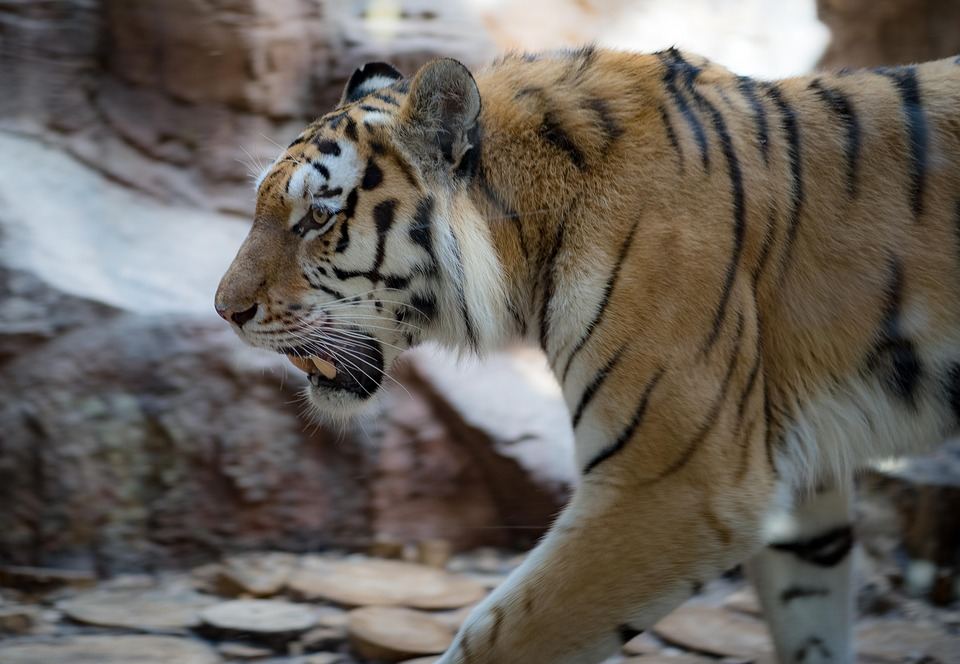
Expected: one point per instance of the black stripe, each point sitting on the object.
(462, 296)
(814, 642)
(826, 550)
(552, 130)
(383, 215)
(739, 215)
(630, 429)
(712, 416)
(799, 592)
(320, 287)
(518, 320)
(676, 68)
(421, 230)
(894, 357)
(840, 105)
(748, 88)
(508, 212)
(326, 146)
(549, 279)
(351, 130)
(297, 141)
(611, 128)
(321, 169)
(790, 125)
(385, 98)
(671, 136)
(424, 305)
(952, 387)
(905, 79)
(627, 633)
(346, 214)
(591, 389)
(769, 232)
(604, 301)
(372, 176)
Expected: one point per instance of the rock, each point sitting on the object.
(15, 620)
(890, 641)
(390, 549)
(184, 98)
(324, 658)
(322, 638)
(113, 649)
(433, 552)
(744, 601)
(913, 502)
(714, 631)
(871, 33)
(642, 644)
(244, 651)
(40, 579)
(161, 608)
(259, 619)
(660, 658)
(361, 582)
(429, 659)
(258, 575)
(395, 633)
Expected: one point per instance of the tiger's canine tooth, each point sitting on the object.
(325, 368)
(301, 363)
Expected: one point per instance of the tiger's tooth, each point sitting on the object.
(326, 369)
(301, 363)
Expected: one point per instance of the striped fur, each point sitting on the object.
(746, 288)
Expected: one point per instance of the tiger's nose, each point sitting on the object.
(238, 318)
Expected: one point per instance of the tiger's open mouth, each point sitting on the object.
(354, 365)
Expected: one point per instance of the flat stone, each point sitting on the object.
(434, 552)
(641, 644)
(259, 617)
(235, 650)
(320, 638)
(257, 575)
(429, 659)
(324, 658)
(18, 619)
(744, 601)
(137, 608)
(43, 578)
(395, 633)
(382, 583)
(903, 640)
(660, 658)
(117, 649)
(714, 631)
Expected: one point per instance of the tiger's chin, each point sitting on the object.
(343, 382)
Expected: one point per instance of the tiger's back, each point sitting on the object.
(746, 289)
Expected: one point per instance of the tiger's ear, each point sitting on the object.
(368, 78)
(442, 109)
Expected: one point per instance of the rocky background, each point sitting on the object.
(137, 436)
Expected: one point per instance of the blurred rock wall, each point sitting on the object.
(135, 432)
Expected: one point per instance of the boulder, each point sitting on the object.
(872, 33)
(187, 99)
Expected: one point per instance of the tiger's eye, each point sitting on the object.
(319, 216)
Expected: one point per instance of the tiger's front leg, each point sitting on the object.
(619, 558)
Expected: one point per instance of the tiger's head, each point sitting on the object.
(365, 240)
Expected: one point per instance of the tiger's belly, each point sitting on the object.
(839, 430)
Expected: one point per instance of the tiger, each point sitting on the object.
(747, 290)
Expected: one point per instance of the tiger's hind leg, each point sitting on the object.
(804, 579)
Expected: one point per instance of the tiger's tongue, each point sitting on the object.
(309, 364)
